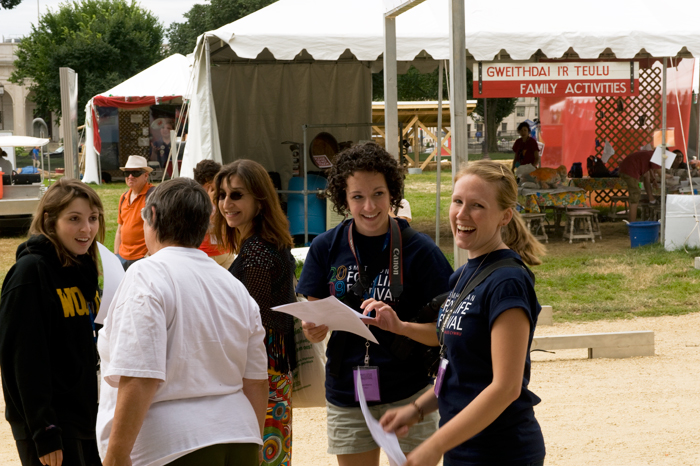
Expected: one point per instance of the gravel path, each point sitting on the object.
(612, 412)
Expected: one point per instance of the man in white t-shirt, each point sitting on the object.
(183, 361)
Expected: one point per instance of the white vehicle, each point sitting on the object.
(19, 201)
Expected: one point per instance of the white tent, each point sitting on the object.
(165, 80)
(297, 47)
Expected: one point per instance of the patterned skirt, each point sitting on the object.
(277, 441)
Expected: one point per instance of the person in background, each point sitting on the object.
(5, 164)
(250, 222)
(47, 342)
(161, 145)
(633, 168)
(36, 157)
(204, 173)
(352, 262)
(525, 148)
(486, 408)
(403, 211)
(183, 360)
(129, 242)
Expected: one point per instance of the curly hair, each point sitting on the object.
(368, 157)
(205, 171)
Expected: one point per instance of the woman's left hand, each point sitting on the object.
(385, 317)
(423, 455)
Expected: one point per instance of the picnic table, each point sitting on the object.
(536, 201)
(600, 190)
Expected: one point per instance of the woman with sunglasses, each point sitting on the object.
(129, 242)
(47, 340)
(250, 222)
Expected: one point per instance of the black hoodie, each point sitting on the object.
(47, 351)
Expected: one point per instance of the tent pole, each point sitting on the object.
(391, 112)
(663, 155)
(306, 199)
(439, 156)
(458, 97)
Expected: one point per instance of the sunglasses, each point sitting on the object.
(233, 195)
(134, 173)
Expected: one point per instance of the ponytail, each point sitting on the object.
(518, 237)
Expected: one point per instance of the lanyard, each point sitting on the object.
(91, 313)
(393, 237)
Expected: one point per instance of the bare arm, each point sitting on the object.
(536, 163)
(117, 239)
(257, 392)
(509, 337)
(134, 397)
(386, 319)
(646, 180)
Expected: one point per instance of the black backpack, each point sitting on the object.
(576, 170)
(596, 168)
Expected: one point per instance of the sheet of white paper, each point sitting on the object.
(113, 272)
(329, 312)
(656, 158)
(387, 441)
(608, 152)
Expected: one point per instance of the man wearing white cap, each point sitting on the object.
(129, 241)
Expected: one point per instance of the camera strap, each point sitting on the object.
(369, 273)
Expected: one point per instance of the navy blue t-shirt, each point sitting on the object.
(331, 269)
(515, 436)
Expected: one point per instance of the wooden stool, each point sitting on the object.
(594, 219)
(650, 212)
(579, 226)
(624, 200)
(535, 223)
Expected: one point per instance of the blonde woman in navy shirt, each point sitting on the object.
(486, 408)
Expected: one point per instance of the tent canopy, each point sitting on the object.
(166, 80)
(312, 33)
(169, 77)
(331, 29)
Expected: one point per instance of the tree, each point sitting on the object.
(9, 4)
(498, 109)
(207, 17)
(104, 41)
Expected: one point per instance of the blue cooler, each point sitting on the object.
(317, 207)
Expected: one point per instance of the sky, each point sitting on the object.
(17, 22)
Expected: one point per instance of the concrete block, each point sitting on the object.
(545, 317)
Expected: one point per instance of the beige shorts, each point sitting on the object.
(633, 190)
(348, 433)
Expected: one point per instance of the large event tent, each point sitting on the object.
(164, 81)
(301, 62)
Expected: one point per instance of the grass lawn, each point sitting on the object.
(582, 281)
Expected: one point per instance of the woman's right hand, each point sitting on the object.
(398, 420)
(314, 333)
(55, 458)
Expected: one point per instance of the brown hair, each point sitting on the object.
(53, 202)
(515, 234)
(368, 157)
(270, 223)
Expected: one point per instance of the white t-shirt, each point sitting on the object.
(179, 317)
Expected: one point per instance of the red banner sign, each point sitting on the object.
(556, 79)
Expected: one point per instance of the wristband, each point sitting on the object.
(420, 411)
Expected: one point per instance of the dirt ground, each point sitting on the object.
(612, 412)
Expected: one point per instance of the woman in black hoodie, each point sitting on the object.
(47, 339)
